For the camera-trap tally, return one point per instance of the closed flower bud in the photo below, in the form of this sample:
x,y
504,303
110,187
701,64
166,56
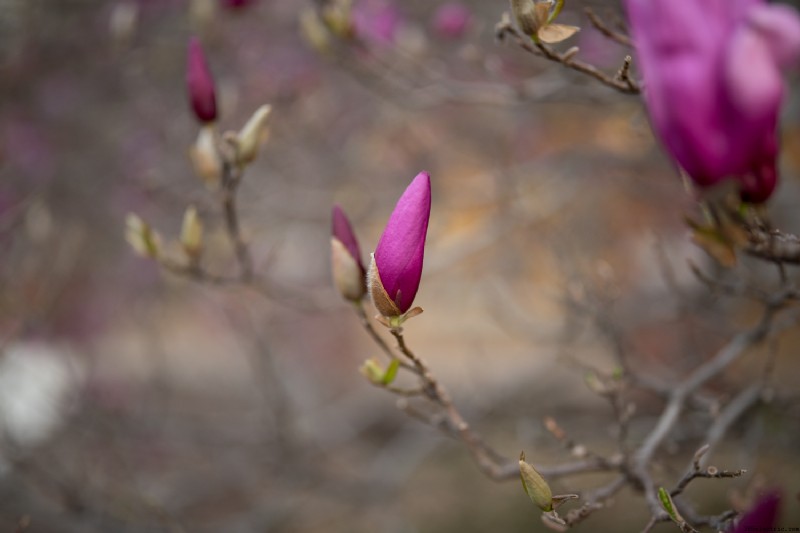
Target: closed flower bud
x,y
535,19
535,486
396,267
205,156
192,234
200,83
529,15
313,30
123,21
142,238
338,18
349,274
252,135
373,371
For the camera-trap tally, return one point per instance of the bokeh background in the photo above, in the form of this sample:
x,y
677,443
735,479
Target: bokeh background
x,y
133,400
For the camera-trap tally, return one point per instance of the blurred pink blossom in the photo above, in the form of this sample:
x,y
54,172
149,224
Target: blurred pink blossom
x,y
452,20
377,21
713,85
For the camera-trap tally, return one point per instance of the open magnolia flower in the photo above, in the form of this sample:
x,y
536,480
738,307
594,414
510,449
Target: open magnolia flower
x,y
396,267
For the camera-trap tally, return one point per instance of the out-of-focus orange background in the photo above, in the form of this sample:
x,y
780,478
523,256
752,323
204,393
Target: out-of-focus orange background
x,y
133,400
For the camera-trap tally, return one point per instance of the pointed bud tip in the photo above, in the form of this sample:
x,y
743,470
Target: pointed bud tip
x,y
535,485
253,134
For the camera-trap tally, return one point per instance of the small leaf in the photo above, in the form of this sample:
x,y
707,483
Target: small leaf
x,y
666,503
391,372
555,33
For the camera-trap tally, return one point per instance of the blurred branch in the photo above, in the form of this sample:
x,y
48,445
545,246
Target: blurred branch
x,y
621,82
601,26
231,177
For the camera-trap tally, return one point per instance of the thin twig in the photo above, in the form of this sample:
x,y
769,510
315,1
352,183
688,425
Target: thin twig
x,y
669,417
601,26
230,184
626,85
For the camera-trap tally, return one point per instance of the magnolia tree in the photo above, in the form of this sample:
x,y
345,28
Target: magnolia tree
x,y
710,75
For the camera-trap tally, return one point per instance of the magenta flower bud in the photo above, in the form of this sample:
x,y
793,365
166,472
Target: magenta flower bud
x,y
452,20
713,84
763,516
349,274
396,266
200,84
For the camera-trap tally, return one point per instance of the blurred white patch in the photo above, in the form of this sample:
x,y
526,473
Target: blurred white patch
x,y
38,382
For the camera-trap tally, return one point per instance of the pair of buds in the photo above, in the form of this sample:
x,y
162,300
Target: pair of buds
x,y
396,267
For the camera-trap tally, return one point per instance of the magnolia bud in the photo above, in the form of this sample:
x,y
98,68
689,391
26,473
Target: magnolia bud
x,y
142,238
252,135
396,267
314,31
536,20
122,21
535,486
202,12
348,270
200,84
373,371
192,234
530,16
338,18
205,156
380,298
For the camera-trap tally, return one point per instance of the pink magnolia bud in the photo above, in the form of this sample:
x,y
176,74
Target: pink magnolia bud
x,y
452,20
713,84
200,84
349,274
396,267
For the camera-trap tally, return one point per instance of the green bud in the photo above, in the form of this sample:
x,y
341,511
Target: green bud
x,y
142,238
373,371
535,486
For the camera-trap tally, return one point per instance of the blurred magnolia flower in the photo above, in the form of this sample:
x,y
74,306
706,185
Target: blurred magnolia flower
x,y
713,86
349,274
396,267
763,516
236,4
200,83
377,21
36,382
452,20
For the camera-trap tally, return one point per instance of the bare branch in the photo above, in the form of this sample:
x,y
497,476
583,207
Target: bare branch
x,y
601,26
621,83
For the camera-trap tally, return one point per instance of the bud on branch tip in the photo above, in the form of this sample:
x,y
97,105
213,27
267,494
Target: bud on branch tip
x,y
396,267
535,486
200,84
349,274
